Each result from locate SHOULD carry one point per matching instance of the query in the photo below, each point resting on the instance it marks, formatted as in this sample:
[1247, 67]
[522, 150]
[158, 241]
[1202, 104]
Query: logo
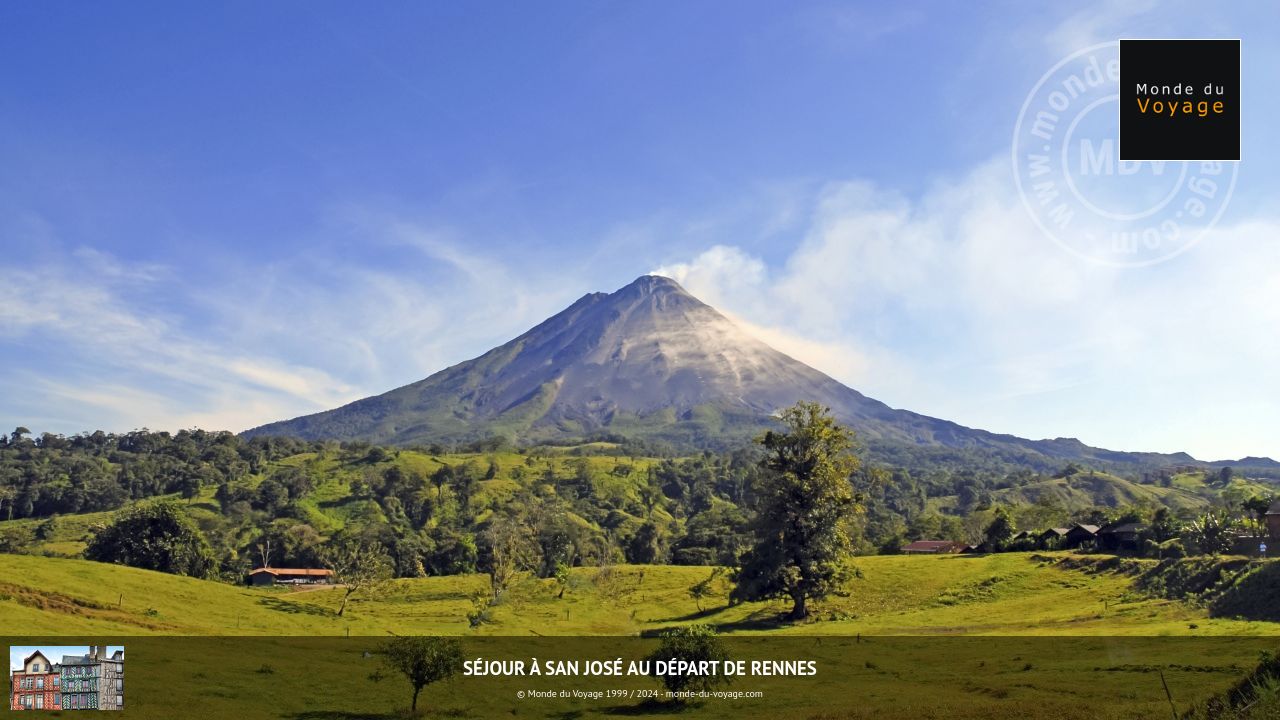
[1066, 162]
[1180, 100]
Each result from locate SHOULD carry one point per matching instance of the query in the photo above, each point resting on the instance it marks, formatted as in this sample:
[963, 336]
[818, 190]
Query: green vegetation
[1003, 594]
[152, 536]
[805, 505]
[691, 644]
[445, 511]
[423, 660]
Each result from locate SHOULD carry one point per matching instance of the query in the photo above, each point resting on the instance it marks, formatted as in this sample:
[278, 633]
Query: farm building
[1052, 538]
[290, 576]
[1079, 535]
[1124, 536]
[934, 547]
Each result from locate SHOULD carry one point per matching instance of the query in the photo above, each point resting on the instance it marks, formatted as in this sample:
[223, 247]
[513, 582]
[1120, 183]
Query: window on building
[119, 684]
[39, 702]
[39, 683]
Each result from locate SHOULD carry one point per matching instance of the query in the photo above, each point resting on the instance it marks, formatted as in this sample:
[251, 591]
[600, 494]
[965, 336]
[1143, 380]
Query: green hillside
[1023, 635]
[1087, 488]
[1008, 594]
[333, 500]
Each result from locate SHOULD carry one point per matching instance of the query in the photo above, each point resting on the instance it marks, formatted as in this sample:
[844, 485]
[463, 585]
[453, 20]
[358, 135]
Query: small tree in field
[806, 501]
[360, 566]
[423, 660]
[694, 643]
[508, 550]
[703, 588]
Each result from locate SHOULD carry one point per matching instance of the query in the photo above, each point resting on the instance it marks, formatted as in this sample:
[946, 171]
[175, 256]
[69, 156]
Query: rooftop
[930, 544]
[1125, 528]
[293, 571]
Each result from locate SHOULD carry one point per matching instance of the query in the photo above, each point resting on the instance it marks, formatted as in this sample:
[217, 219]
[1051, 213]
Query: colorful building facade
[94, 681]
[37, 686]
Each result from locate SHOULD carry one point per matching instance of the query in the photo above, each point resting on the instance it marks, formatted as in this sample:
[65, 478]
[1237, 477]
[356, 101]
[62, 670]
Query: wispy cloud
[956, 305]
[121, 345]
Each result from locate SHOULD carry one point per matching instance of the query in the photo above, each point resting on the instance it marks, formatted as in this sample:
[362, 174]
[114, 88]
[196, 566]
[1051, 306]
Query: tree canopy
[806, 501]
[153, 536]
[423, 660]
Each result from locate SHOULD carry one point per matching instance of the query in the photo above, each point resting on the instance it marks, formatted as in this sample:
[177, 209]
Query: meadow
[1008, 635]
[1003, 594]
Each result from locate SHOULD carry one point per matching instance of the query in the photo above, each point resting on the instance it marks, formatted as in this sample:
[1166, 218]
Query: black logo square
[1179, 99]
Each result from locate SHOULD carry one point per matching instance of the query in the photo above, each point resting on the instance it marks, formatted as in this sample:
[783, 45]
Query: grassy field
[1012, 635]
[1007, 594]
[1028, 635]
[894, 678]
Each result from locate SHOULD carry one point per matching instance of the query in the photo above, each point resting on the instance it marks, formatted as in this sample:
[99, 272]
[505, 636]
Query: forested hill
[431, 507]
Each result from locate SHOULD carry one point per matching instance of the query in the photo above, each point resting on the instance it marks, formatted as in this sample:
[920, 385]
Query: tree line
[711, 509]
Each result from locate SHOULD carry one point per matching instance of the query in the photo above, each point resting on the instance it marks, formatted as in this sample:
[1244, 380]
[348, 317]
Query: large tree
[153, 536]
[805, 504]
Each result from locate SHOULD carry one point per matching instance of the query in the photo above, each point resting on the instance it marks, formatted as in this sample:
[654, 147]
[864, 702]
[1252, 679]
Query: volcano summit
[649, 361]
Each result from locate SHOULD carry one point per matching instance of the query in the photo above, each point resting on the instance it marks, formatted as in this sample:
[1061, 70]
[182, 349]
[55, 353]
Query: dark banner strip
[358, 678]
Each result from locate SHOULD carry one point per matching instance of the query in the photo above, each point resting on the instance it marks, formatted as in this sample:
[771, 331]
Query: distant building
[1079, 535]
[1273, 520]
[94, 681]
[290, 576]
[934, 547]
[35, 686]
[1124, 536]
[1052, 538]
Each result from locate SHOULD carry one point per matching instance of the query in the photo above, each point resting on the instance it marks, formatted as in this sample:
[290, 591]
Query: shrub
[694, 643]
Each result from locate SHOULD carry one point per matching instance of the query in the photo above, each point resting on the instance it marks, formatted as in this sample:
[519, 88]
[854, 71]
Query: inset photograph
[66, 677]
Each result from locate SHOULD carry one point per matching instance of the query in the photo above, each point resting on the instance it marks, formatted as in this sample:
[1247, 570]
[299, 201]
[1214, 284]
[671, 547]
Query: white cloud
[88, 319]
[956, 305]
[112, 344]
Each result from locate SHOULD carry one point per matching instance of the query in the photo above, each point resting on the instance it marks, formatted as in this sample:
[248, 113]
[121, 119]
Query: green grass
[1009, 594]
[1057, 634]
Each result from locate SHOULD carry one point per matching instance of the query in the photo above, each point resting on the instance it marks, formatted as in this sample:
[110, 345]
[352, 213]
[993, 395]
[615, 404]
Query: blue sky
[18, 653]
[232, 214]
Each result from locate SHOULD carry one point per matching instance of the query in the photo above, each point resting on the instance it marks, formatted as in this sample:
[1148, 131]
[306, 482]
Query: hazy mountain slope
[649, 360]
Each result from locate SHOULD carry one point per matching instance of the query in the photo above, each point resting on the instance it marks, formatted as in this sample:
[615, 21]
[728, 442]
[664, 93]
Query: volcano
[649, 361]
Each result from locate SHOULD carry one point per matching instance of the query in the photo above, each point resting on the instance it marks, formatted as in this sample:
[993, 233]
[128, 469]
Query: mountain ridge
[648, 361]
